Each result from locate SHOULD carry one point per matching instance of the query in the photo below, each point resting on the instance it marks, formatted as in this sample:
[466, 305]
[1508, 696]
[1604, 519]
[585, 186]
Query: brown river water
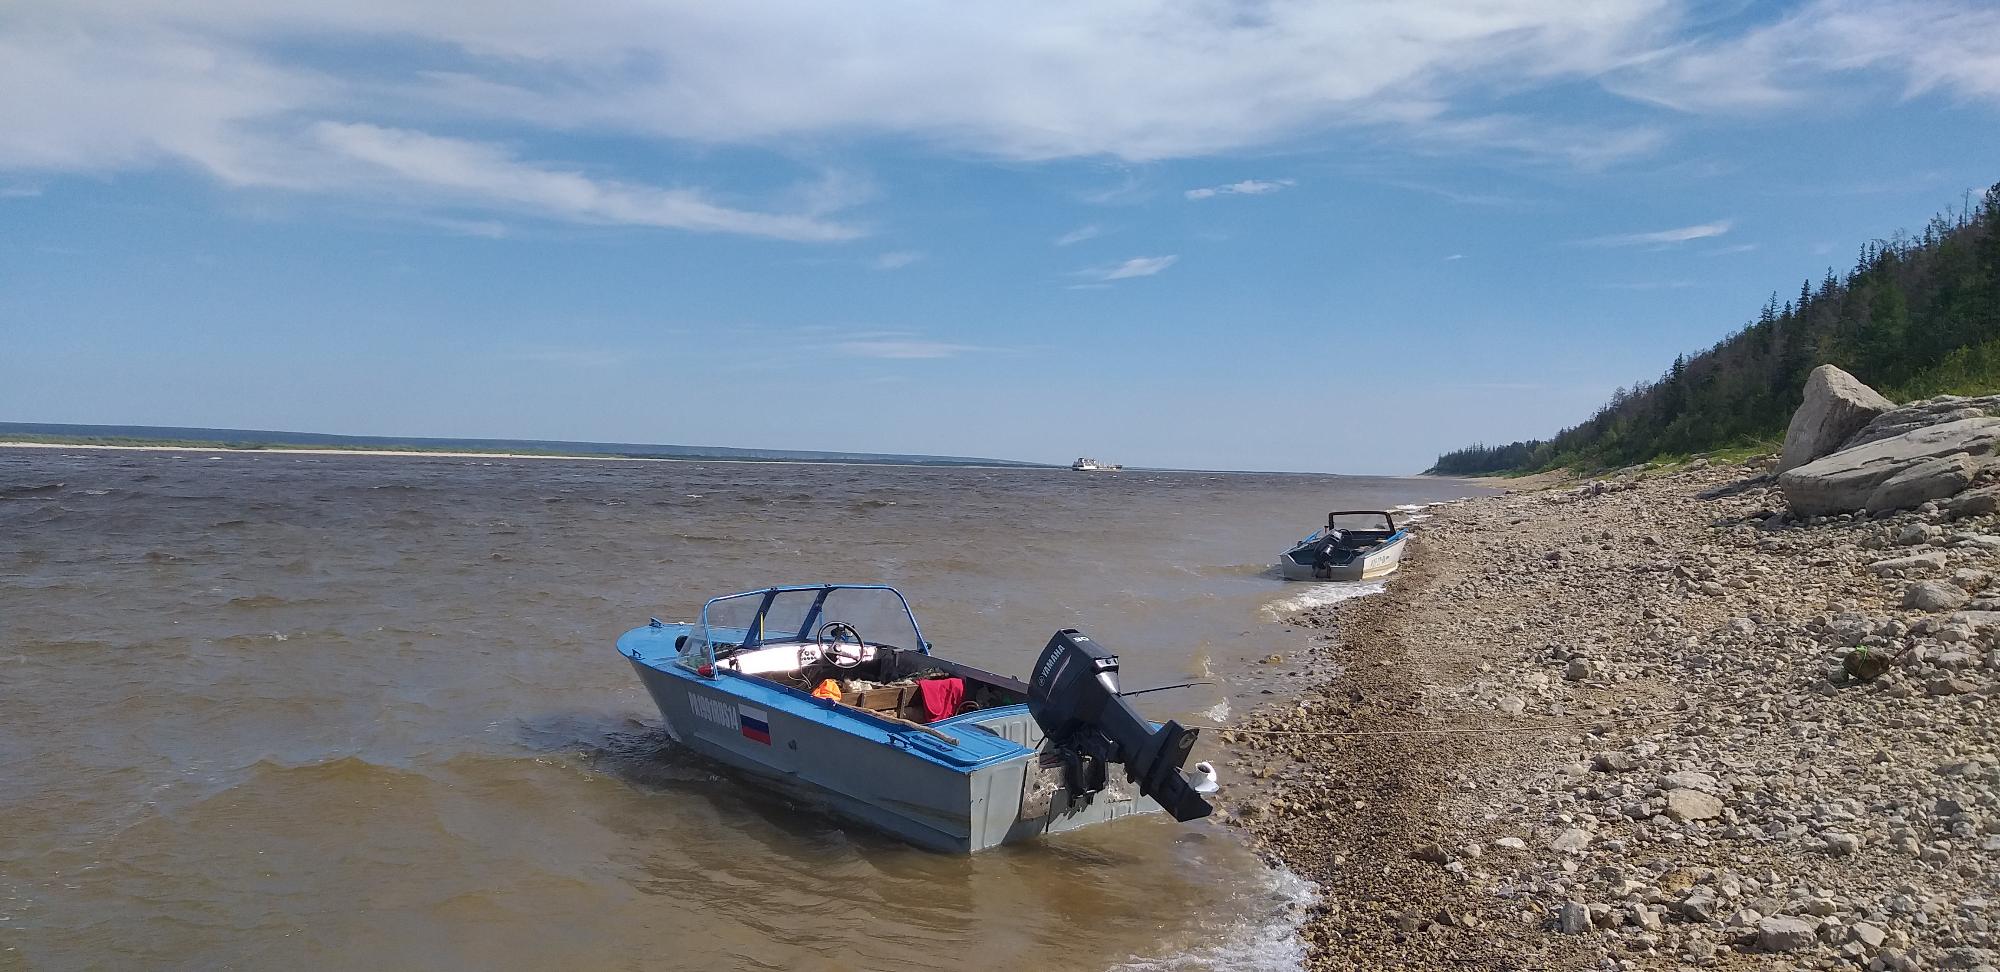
[272, 711]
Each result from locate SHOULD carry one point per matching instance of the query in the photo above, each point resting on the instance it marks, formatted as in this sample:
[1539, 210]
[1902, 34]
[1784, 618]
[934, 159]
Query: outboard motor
[1074, 696]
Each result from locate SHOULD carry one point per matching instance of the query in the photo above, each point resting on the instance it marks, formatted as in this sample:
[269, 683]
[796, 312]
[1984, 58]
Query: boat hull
[988, 787]
[1372, 564]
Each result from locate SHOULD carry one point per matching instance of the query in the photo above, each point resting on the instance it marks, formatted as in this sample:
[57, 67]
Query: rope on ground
[1431, 732]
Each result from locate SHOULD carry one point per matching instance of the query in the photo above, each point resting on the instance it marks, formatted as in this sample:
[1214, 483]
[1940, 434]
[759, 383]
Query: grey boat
[1354, 545]
[831, 693]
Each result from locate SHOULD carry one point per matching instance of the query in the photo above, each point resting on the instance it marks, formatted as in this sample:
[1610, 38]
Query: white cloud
[442, 104]
[136, 96]
[124, 83]
[20, 192]
[1248, 187]
[483, 172]
[1455, 256]
[896, 260]
[1135, 267]
[1666, 237]
[1952, 45]
[904, 349]
[1089, 231]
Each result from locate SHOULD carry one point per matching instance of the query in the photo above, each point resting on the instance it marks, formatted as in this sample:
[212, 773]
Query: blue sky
[1304, 236]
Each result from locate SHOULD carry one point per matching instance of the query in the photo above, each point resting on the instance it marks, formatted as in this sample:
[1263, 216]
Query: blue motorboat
[830, 693]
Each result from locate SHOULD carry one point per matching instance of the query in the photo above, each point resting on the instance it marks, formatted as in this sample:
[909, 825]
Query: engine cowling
[1074, 696]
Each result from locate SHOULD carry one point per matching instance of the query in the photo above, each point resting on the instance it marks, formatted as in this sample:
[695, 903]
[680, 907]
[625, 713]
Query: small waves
[1267, 941]
[24, 492]
[1321, 595]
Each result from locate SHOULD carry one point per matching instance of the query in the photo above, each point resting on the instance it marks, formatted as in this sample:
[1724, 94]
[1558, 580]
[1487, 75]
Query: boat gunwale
[909, 737]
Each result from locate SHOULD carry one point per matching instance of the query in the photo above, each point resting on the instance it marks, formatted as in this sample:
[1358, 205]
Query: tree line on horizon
[1917, 315]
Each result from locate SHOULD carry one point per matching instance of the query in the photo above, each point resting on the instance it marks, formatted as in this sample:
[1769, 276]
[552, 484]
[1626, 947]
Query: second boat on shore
[1354, 545]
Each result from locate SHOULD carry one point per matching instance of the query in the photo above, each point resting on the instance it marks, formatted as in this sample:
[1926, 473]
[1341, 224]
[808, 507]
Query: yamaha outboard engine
[1075, 697]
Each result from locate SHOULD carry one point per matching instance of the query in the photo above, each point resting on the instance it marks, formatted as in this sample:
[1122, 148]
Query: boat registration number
[712, 710]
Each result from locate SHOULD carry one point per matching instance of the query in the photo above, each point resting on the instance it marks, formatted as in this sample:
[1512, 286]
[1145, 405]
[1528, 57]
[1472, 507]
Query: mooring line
[1427, 732]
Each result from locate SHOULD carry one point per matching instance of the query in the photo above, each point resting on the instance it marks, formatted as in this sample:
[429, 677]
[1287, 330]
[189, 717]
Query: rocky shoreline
[1753, 739]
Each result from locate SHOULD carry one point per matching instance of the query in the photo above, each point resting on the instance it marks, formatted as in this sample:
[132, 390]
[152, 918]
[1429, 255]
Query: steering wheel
[832, 639]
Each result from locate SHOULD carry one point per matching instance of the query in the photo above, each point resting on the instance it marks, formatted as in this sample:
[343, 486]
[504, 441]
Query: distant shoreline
[441, 454]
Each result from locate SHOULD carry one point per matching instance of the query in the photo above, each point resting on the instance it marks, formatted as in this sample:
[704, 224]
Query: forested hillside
[1916, 316]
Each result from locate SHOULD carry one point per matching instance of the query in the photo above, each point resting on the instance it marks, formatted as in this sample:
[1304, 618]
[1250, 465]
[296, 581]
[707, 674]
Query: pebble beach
[1651, 722]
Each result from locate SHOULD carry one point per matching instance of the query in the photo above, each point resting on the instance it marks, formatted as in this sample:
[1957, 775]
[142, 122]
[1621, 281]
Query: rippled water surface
[357, 712]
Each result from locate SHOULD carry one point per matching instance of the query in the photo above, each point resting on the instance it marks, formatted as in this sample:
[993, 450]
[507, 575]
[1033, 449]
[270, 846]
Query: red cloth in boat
[941, 697]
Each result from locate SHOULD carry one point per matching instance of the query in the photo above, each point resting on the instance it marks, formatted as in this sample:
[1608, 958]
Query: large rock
[1849, 479]
[1921, 414]
[1686, 805]
[1836, 406]
[1783, 933]
[1925, 481]
[1935, 596]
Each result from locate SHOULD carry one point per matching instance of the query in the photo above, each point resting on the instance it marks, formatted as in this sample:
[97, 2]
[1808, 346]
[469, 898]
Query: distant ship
[1092, 465]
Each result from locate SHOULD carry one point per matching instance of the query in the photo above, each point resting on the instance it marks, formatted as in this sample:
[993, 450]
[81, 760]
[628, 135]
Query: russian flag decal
[756, 724]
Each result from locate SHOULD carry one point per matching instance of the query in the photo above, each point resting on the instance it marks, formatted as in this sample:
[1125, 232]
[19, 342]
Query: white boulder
[1836, 406]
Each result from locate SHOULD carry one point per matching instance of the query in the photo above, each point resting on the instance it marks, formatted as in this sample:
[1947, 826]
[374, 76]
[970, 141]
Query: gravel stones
[1685, 805]
[1725, 763]
[1914, 562]
[1573, 918]
[1864, 665]
[1934, 596]
[1692, 780]
[1780, 933]
[1614, 762]
[1571, 841]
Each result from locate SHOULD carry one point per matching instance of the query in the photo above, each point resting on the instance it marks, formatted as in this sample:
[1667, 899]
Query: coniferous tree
[1917, 315]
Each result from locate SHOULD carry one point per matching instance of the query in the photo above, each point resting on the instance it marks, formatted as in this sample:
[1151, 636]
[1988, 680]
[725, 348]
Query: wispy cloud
[1463, 197]
[905, 349]
[1928, 45]
[1665, 237]
[896, 260]
[489, 229]
[1455, 256]
[20, 191]
[490, 174]
[1248, 187]
[1130, 269]
[1728, 250]
[1583, 146]
[1650, 285]
[1088, 231]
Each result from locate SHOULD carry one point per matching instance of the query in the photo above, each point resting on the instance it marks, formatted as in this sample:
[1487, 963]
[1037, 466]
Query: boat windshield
[1364, 522]
[878, 615]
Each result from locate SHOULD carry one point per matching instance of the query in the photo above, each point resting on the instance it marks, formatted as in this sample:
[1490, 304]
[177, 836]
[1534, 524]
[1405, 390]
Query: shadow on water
[641, 755]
